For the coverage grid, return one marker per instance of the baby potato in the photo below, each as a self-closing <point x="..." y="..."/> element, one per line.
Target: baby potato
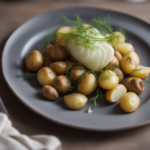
<point x="75" y="101"/>
<point x="50" y="92"/>
<point x="58" y="52"/>
<point x="134" y="56"/>
<point x="62" y="84"/>
<point x="76" y="71"/>
<point x="119" y="38"/>
<point x="129" y="102"/>
<point x="114" y="61"/>
<point x="118" y="55"/>
<point x="141" y="72"/>
<point x="59" y="67"/>
<point x="119" y="73"/>
<point x="114" y="94"/>
<point x="108" y="80"/>
<point x="46" y="76"/>
<point x="88" y="84"/>
<point x="47" y="61"/>
<point x="34" y="60"/>
<point x="124" y="48"/>
<point x="127" y="64"/>
<point x="62" y="29"/>
<point x="47" y="51"/>
<point x="133" y="84"/>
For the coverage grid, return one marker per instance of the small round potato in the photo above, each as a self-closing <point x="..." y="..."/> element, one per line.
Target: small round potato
<point x="141" y="72"/>
<point x="75" y="101"/>
<point x="60" y="67"/>
<point x="46" y="76"/>
<point x="124" y="48"/>
<point x="76" y="71"/>
<point x="58" y="52"/>
<point x="118" y="55"/>
<point x="119" y="73"/>
<point x="108" y="80"/>
<point x="62" y="84"/>
<point x="47" y="51"/>
<point x="34" y="60"/>
<point x="134" y="56"/>
<point x="119" y="38"/>
<point x="127" y="64"/>
<point x="114" y="61"/>
<point x="114" y="94"/>
<point x="88" y="84"/>
<point x="47" y="61"/>
<point x="50" y="92"/>
<point x="129" y="102"/>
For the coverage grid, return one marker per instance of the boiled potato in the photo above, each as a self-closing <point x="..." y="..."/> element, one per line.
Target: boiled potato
<point x="75" y="101"/>
<point x="46" y="76"/>
<point x="62" y="84"/>
<point x="34" y="60"/>
<point x="141" y="72"/>
<point x="114" y="94"/>
<point x="63" y="29"/>
<point x="59" y="67"/>
<point x="76" y="71"/>
<point x="108" y="80"/>
<point x="124" y="48"/>
<point x="119" y="73"/>
<point x="114" y="61"/>
<point x="134" y="56"/>
<point x="50" y="92"/>
<point x="119" y="38"/>
<point x="58" y="52"/>
<point x="47" y="61"/>
<point x="129" y="102"/>
<point x="133" y="84"/>
<point x="47" y="50"/>
<point x="88" y="84"/>
<point x="127" y="64"/>
<point x="118" y="55"/>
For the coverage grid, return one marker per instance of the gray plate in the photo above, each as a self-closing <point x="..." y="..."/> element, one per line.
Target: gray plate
<point x="109" y="117"/>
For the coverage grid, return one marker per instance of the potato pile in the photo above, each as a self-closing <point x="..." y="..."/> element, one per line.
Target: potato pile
<point x="58" y="72"/>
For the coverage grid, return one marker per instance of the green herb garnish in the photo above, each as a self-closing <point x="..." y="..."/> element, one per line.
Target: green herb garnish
<point x="27" y="75"/>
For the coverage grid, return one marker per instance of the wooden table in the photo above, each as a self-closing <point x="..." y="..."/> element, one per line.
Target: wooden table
<point x="12" y="15"/>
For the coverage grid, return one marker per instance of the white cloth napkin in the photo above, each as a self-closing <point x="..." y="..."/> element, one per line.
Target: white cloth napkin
<point x="12" y="139"/>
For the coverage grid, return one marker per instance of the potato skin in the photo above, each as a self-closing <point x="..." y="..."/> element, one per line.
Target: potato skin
<point x="133" y="84"/>
<point x="88" y="84"/>
<point x="58" y="52"/>
<point x="118" y="55"/>
<point x="134" y="56"/>
<point x="46" y="76"/>
<point x="60" y="67"/>
<point x="47" y="50"/>
<point x="108" y="80"/>
<point x="75" y="101"/>
<point x="47" y="61"/>
<point x="50" y="92"/>
<point x="129" y="102"/>
<point x="62" y="84"/>
<point x="76" y="71"/>
<point x="34" y="60"/>
<point x="114" y="61"/>
<point x="119" y="73"/>
<point x="127" y="65"/>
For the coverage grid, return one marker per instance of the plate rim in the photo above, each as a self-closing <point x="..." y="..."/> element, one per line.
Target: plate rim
<point x="37" y="112"/>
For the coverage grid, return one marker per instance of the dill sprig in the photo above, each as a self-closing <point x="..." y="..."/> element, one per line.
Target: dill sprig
<point x="27" y="75"/>
<point x="118" y="29"/>
<point x="146" y="82"/>
<point x="98" y="95"/>
<point x="85" y="35"/>
<point x="128" y="57"/>
<point x="137" y="70"/>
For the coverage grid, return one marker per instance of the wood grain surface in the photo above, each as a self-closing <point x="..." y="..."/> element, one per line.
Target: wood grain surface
<point x="12" y="15"/>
